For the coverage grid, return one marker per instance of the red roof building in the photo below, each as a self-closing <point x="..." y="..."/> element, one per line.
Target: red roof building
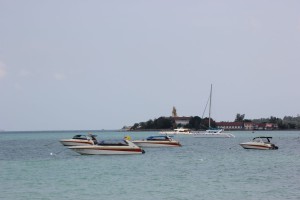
<point x="230" y="125"/>
<point x="251" y="125"/>
<point x="246" y="126"/>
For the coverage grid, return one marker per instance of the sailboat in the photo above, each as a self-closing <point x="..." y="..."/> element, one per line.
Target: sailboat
<point x="212" y="132"/>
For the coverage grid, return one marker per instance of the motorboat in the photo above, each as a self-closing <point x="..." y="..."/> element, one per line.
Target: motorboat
<point x="213" y="133"/>
<point x="262" y="143"/>
<point x="109" y="147"/>
<point x="177" y="131"/>
<point x="80" y="140"/>
<point x="157" y="141"/>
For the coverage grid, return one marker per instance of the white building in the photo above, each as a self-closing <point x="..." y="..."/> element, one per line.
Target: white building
<point x="182" y="120"/>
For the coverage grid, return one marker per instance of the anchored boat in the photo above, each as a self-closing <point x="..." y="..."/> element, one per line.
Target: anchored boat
<point x="157" y="141"/>
<point x="80" y="140"/>
<point x="109" y="147"/>
<point x="177" y="131"/>
<point x="211" y="132"/>
<point x="261" y="143"/>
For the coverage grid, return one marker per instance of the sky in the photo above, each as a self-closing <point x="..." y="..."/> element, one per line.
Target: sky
<point x="92" y="65"/>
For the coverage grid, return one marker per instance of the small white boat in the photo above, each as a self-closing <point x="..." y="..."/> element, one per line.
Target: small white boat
<point x="157" y="141"/>
<point x="109" y="147"/>
<point x="261" y="143"/>
<point x="177" y="131"/>
<point x="213" y="133"/>
<point x="80" y="140"/>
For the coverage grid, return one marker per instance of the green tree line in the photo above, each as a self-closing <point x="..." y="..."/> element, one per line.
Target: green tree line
<point x="197" y="123"/>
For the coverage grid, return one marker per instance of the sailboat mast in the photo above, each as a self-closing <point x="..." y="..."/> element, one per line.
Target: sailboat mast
<point x="210" y="105"/>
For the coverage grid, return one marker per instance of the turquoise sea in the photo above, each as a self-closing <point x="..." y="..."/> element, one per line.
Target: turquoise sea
<point x="203" y="168"/>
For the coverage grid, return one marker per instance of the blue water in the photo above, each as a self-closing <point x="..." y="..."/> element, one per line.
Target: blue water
<point x="203" y="168"/>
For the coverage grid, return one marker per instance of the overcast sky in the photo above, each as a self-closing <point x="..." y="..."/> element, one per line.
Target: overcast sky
<point x="74" y="64"/>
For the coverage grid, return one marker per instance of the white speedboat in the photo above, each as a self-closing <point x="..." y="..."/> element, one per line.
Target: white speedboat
<point x="261" y="143"/>
<point x="213" y="133"/>
<point x="177" y="131"/>
<point x="109" y="147"/>
<point x="157" y="141"/>
<point x="80" y="140"/>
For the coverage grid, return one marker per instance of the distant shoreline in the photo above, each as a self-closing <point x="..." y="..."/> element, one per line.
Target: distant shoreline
<point x="121" y="130"/>
<point x="157" y="130"/>
<point x="50" y="131"/>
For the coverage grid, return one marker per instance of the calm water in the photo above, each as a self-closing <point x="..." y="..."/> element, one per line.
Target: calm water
<point x="201" y="169"/>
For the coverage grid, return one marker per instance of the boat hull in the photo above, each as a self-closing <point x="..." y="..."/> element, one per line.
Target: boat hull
<point x="72" y="142"/>
<point x="258" y="146"/>
<point x="174" y="133"/>
<point x="103" y="150"/>
<point x="178" y="131"/>
<point x="213" y="135"/>
<point x="153" y="144"/>
<point x="129" y="149"/>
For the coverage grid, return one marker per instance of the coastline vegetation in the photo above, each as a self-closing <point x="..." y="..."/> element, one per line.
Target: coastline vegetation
<point x="198" y="123"/>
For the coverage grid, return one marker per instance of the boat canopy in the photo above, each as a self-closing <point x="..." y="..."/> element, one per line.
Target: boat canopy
<point x="80" y="137"/>
<point x="262" y="138"/>
<point x="84" y="137"/>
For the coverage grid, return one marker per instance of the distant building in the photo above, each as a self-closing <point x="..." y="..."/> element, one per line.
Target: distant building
<point x="230" y="125"/>
<point x="271" y="126"/>
<point x="179" y="120"/>
<point x="174" y="112"/>
<point x="182" y="120"/>
<point x="246" y="126"/>
<point x="251" y="125"/>
<point x="260" y="126"/>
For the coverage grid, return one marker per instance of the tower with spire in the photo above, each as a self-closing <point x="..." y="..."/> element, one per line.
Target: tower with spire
<point x="174" y="112"/>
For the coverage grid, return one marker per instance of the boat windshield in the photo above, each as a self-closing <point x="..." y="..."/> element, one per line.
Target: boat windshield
<point x="113" y="143"/>
<point x="80" y="137"/>
<point x="160" y="138"/>
<point x="262" y="139"/>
